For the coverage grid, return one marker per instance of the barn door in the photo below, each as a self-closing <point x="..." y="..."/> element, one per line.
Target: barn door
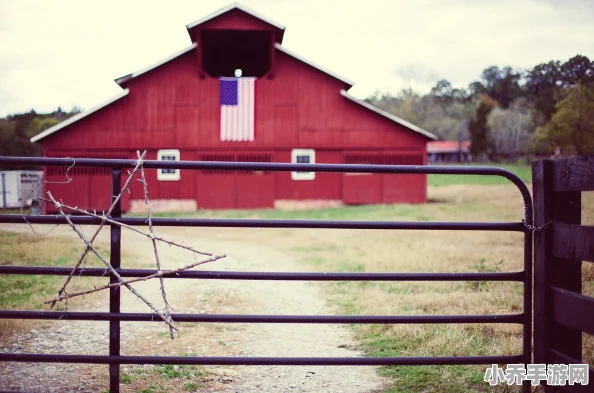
<point x="215" y="189"/>
<point x="255" y="189"/>
<point x="242" y="189"/>
<point x="361" y="188"/>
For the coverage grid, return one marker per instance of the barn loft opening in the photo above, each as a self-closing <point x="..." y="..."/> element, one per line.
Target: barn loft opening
<point x="226" y="51"/>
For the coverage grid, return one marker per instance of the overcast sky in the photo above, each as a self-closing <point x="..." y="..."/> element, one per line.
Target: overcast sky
<point x="68" y="52"/>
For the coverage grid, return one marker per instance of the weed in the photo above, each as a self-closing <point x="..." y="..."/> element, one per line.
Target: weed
<point x="152" y="388"/>
<point x="482" y="267"/>
<point x="192" y="386"/>
<point x="171" y="371"/>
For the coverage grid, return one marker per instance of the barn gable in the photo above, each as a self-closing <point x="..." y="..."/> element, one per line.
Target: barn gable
<point x="235" y="17"/>
<point x="298" y="112"/>
<point x="191" y="85"/>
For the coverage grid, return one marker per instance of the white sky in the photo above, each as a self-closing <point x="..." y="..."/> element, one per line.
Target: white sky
<point x="68" y="52"/>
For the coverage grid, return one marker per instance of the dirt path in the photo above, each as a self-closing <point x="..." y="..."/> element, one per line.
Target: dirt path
<point x="204" y="296"/>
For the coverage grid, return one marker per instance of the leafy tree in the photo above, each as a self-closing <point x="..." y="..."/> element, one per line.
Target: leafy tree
<point x="503" y="85"/>
<point x="542" y="85"/>
<point x="478" y="129"/>
<point x="510" y="130"/>
<point x="572" y="126"/>
<point x="445" y="111"/>
<point x="577" y="70"/>
<point x="17" y="129"/>
<point x="39" y="124"/>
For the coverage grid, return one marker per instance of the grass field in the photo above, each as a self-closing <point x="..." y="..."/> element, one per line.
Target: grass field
<point x="523" y="172"/>
<point x="27" y="292"/>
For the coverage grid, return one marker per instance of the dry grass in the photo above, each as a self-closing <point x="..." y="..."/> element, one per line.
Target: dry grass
<point x="421" y="251"/>
<point x="26" y="292"/>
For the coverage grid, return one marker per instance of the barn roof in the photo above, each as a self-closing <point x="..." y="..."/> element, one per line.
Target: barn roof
<point x="389" y="116"/>
<point x="78" y="117"/>
<point x="319" y="68"/>
<point x="121" y="81"/>
<point x="232" y="7"/>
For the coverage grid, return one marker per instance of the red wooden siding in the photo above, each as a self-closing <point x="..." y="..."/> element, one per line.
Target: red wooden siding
<point x="367" y="188"/>
<point x="85" y="188"/>
<point x="172" y="107"/>
<point x="222" y="189"/>
<point x="325" y="185"/>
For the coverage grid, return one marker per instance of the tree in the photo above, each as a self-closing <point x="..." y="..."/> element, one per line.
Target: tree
<point x="577" y="70"/>
<point x="503" y="85"/>
<point x="510" y="130"/>
<point x="480" y="145"/>
<point x="572" y="126"/>
<point x="542" y="84"/>
<point x="40" y="124"/>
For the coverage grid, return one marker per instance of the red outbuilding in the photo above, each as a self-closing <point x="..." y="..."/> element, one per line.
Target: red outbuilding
<point x="236" y="94"/>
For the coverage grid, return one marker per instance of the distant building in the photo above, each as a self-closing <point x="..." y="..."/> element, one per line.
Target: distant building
<point x="448" y="151"/>
<point x="19" y="189"/>
<point x="236" y="94"/>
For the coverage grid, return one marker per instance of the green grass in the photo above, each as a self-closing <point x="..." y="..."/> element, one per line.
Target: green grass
<point x="523" y="171"/>
<point x="28" y="292"/>
<point x="31" y="250"/>
<point x="152" y="388"/>
<point x="192" y="386"/>
<point x="417" y="212"/>
<point x="165" y="378"/>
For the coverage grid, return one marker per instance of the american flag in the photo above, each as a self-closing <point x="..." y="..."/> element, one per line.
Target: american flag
<point x="237" y="108"/>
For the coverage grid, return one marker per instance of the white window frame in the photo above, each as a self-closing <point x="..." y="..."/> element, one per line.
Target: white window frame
<point x="168" y="176"/>
<point x="311" y="153"/>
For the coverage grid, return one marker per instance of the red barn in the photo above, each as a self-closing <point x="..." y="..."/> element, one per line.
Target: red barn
<point x="235" y="94"/>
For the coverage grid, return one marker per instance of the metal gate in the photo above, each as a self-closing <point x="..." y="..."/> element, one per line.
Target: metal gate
<point x="114" y="316"/>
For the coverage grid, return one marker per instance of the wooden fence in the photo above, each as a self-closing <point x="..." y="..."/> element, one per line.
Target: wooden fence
<point x="561" y="312"/>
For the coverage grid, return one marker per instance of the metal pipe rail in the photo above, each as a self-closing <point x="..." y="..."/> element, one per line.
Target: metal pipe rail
<point x="114" y="316"/>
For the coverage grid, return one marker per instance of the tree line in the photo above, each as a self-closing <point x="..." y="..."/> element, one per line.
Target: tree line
<point x="17" y="129"/>
<point x="508" y="113"/>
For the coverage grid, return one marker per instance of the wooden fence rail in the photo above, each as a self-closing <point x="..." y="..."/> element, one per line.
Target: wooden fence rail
<point x="561" y="312"/>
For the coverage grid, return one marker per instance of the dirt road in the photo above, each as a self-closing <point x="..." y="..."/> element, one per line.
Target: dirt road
<point x="204" y="296"/>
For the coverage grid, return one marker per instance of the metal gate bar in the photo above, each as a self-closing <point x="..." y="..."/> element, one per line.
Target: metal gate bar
<point x="115" y="316"/>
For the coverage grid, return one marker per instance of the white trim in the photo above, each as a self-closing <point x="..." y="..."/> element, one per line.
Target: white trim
<point x="157" y="64"/>
<point x="324" y="70"/>
<point x="389" y="116"/>
<point x="168" y="176"/>
<point x="231" y="7"/>
<point x="312" y="160"/>
<point x="76" y="118"/>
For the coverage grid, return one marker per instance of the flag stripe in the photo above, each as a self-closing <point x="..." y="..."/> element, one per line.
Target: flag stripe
<point x="237" y="109"/>
<point x="251" y="111"/>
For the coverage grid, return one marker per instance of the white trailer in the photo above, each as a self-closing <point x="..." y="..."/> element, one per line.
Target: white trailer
<point x="19" y="188"/>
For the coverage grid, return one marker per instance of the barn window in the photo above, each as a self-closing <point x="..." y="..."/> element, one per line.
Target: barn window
<point x="166" y="173"/>
<point x="303" y="156"/>
<point x="226" y="51"/>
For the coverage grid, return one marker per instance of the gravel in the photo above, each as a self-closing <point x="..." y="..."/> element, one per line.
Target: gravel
<point x="258" y="297"/>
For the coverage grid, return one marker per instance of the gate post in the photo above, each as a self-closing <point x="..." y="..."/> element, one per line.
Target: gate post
<point x="558" y="206"/>
<point x="114" y="292"/>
